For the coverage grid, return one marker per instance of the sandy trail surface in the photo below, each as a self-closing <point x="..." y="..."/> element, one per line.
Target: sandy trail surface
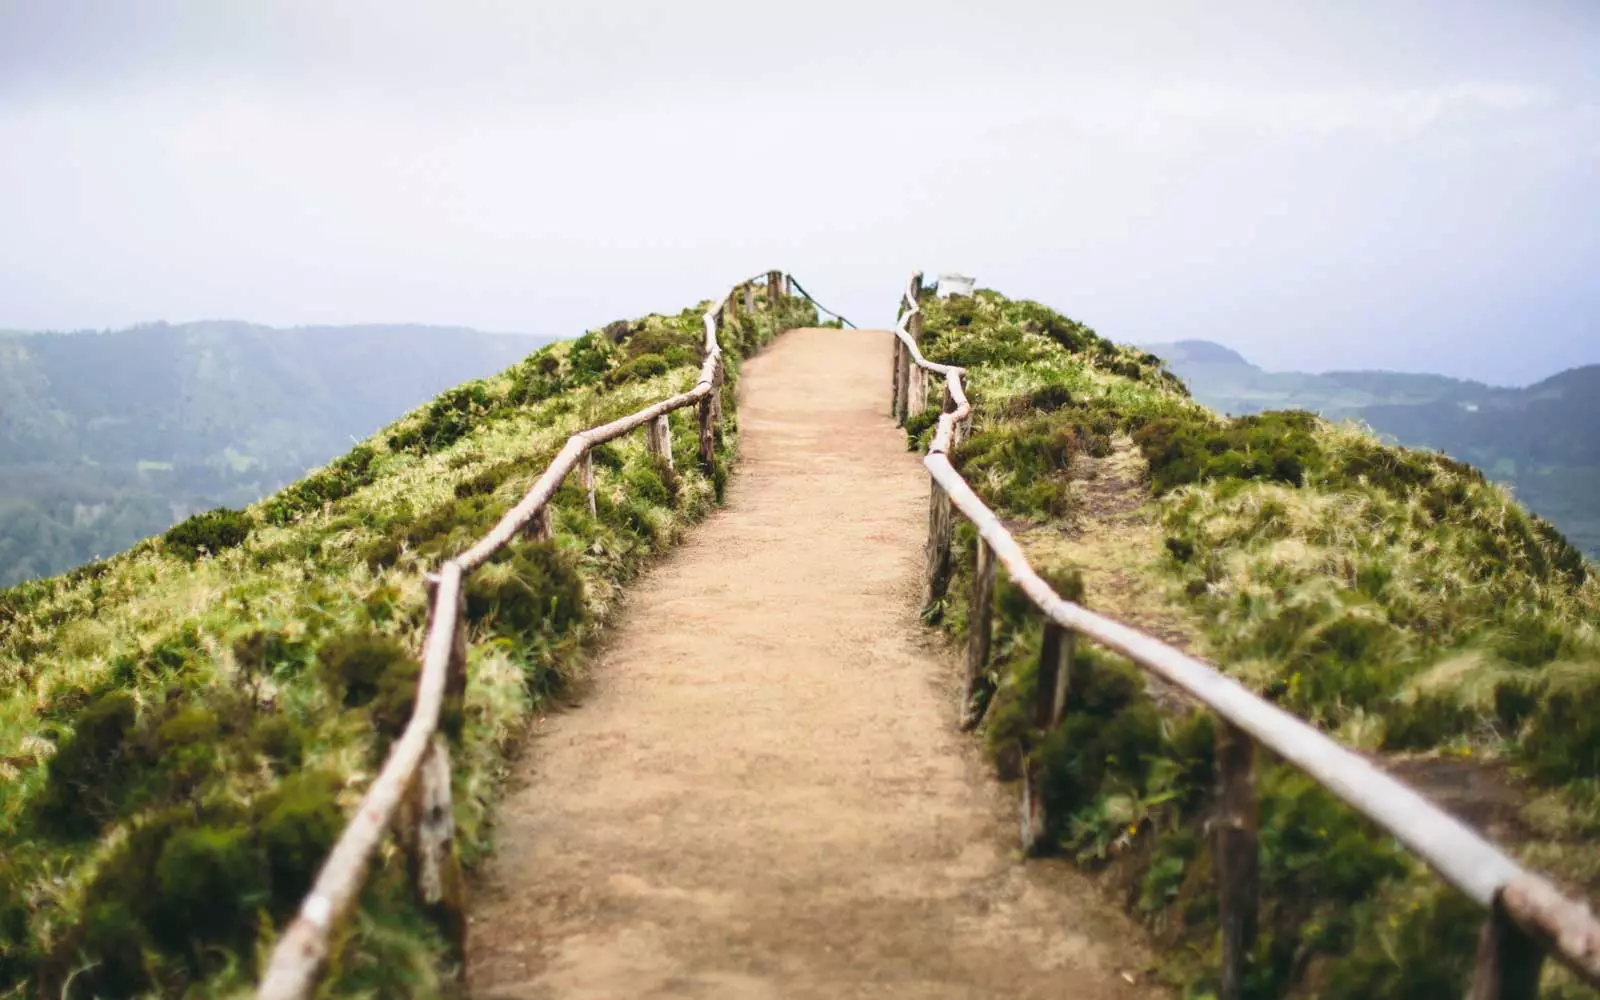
<point x="763" y="792"/>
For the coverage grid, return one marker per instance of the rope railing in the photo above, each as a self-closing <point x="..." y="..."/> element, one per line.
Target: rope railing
<point x="412" y="790"/>
<point x="794" y="283"/>
<point x="1528" y="916"/>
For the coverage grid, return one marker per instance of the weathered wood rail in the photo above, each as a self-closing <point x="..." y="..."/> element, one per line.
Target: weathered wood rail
<point x="1528" y="917"/>
<point x="412" y="791"/>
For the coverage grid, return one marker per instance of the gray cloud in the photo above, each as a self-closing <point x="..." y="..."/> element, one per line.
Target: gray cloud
<point x="1318" y="187"/>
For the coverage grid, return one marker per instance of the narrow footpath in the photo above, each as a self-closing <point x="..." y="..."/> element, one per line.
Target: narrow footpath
<point x="763" y="792"/>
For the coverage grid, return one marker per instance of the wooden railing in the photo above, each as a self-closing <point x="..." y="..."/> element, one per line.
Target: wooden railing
<point x="1528" y="916"/>
<point x="412" y="791"/>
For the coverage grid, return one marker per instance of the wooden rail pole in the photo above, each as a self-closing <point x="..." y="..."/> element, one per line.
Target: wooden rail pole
<point x="750" y="299"/>
<point x="980" y="623"/>
<point x="775" y="290"/>
<point x="1238" y="854"/>
<point x="1509" y="959"/>
<point x="941" y="524"/>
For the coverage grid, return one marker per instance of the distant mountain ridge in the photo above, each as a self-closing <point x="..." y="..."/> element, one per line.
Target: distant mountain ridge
<point x="108" y="437"/>
<point x="1540" y="439"/>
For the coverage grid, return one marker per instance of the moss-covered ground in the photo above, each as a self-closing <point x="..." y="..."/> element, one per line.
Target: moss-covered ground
<point x="1394" y="598"/>
<point x="184" y="727"/>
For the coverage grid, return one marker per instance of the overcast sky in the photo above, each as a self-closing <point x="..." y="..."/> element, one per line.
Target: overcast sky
<point x="1410" y="185"/>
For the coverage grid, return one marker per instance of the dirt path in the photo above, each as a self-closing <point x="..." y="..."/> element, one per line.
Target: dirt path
<point x="764" y="793"/>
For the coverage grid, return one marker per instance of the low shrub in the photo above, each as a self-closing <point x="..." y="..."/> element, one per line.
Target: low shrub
<point x="652" y="483"/>
<point x="645" y="366"/>
<point x="536" y="380"/>
<point x="208" y="534"/>
<point x="534" y="590"/>
<point x="590" y="358"/>
<point x="88" y="774"/>
<point x="1025" y="467"/>
<point x="452" y="416"/>
<point x="354" y="665"/>
<point x="340" y="479"/>
<point x="1276" y="446"/>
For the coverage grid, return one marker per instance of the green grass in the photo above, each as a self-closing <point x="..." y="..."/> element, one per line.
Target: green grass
<point x="1395" y="598"/>
<point x="184" y="727"/>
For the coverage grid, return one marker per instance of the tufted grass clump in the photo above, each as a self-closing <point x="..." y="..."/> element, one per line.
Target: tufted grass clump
<point x="182" y="738"/>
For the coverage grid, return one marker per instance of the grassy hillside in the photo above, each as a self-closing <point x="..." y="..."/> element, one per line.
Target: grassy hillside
<point x="184" y="727"/>
<point x="106" y="438"/>
<point x="1395" y="598"/>
<point x="1536" y="439"/>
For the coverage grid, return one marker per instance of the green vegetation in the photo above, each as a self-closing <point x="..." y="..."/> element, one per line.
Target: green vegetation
<point x="1396" y="598"/>
<point x="184" y="727"/>
<point x="1535" y="439"/>
<point x="208" y="533"/>
<point x="108" y="438"/>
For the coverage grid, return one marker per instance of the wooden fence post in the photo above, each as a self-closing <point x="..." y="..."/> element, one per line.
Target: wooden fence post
<point x="904" y="368"/>
<point x="1056" y="647"/>
<point x="750" y="299"/>
<point x="1509" y="960"/>
<point x="658" y="440"/>
<point x="775" y="289"/>
<point x="541" y="527"/>
<point x="894" y="380"/>
<point x="664" y="433"/>
<point x="434" y="863"/>
<point x="915" y="326"/>
<point x="980" y="615"/>
<point x="705" y="409"/>
<point x="941" y="524"/>
<point x="426" y="817"/>
<point x="1238" y="854"/>
<point x="718" y="379"/>
<point x="588" y="481"/>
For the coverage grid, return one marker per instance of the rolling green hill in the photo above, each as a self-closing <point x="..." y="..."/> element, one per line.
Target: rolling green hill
<point x="1395" y="598"/>
<point x="185" y="726"/>
<point x="106" y="438"/>
<point x="1540" y="440"/>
